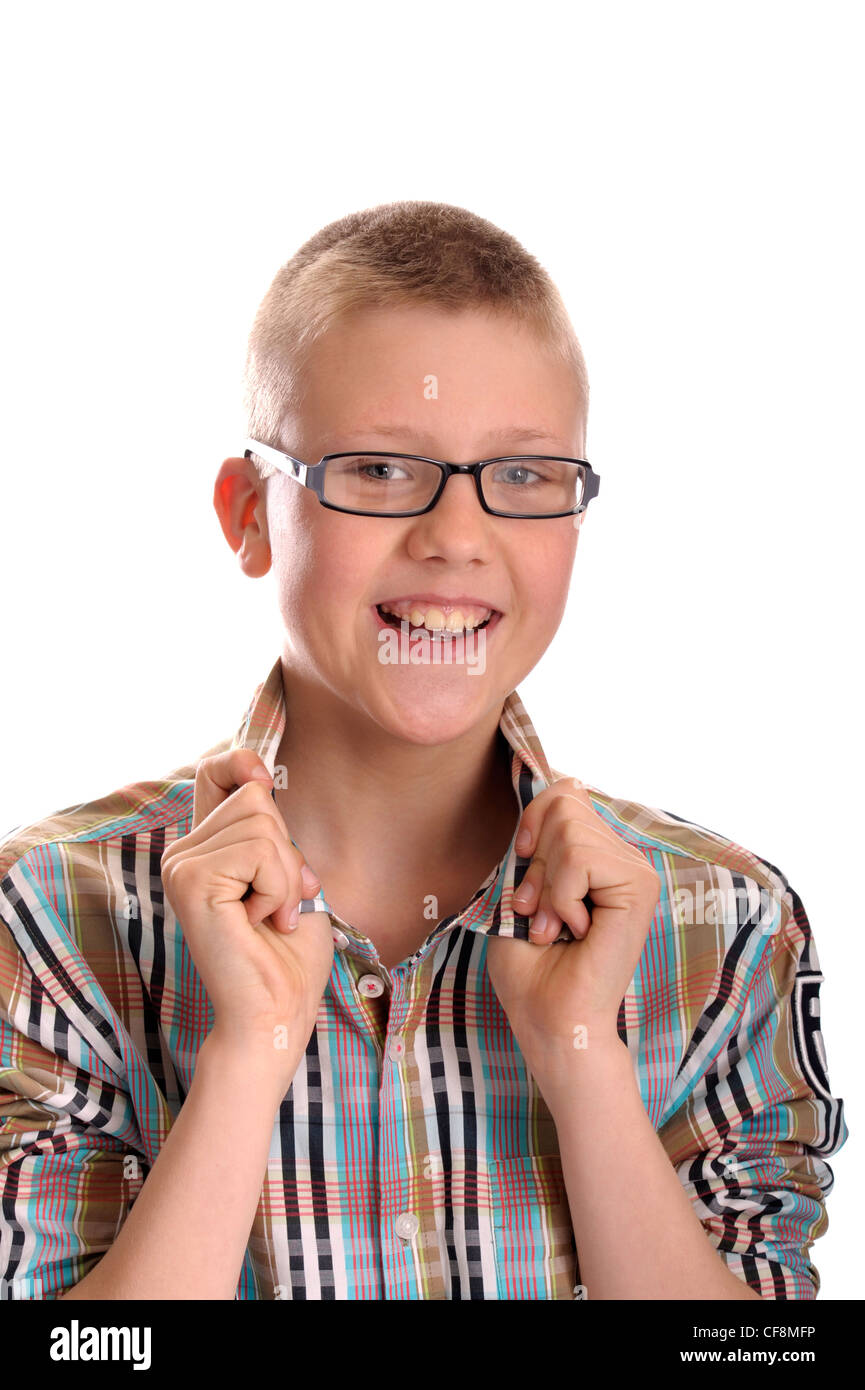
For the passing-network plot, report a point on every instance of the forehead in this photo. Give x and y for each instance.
(404, 376)
(390, 433)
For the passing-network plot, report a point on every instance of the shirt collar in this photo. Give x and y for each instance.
(490, 911)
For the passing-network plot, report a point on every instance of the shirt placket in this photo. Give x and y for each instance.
(408, 1236)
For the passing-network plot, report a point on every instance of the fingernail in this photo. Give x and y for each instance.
(263, 774)
(524, 839)
(308, 878)
(293, 917)
(540, 922)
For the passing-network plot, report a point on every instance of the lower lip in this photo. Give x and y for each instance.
(491, 625)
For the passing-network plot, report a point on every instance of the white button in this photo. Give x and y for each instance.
(396, 1049)
(340, 940)
(407, 1225)
(371, 986)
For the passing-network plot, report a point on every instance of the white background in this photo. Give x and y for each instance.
(689, 174)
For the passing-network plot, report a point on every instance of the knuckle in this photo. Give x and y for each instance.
(171, 859)
(180, 876)
(262, 826)
(267, 848)
(571, 787)
(203, 766)
(571, 832)
(567, 812)
(261, 845)
(573, 853)
(559, 901)
(256, 793)
(294, 886)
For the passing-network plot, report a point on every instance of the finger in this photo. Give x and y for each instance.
(526, 896)
(545, 925)
(241, 806)
(257, 830)
(614, 882)
(562, 806)
(211, 882)
(274, 886)
(564, 888)
(252, 799)
(248, 799)
(535, 813)
(217, 775)
(572, 825)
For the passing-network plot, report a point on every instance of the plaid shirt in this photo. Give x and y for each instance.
(413, 1156)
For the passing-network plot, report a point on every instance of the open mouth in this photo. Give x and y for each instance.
(393, 621)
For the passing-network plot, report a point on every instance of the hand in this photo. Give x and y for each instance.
(536, 836)
(264, 972)
(552, 990)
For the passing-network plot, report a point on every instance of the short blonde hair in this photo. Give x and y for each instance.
(395, 254)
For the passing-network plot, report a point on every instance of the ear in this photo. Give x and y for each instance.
(240, 503)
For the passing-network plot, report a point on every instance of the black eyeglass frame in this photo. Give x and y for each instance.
(312, 475)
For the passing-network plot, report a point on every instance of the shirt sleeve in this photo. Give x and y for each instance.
(71, 1164)
(751, 1141)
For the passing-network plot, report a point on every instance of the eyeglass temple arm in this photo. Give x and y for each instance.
(284, 462)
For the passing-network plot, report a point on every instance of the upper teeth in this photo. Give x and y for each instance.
(437, 619)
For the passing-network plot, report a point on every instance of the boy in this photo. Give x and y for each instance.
(632, 1102)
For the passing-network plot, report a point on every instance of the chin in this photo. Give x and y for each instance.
(416, 711)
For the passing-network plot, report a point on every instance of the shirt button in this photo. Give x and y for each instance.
(396, 1049)
(370, 986)
(340, 940)
(407, 1225)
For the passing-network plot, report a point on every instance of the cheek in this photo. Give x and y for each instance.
(546, 576)
(322, 571)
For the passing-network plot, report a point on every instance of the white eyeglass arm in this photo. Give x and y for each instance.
(285, 465)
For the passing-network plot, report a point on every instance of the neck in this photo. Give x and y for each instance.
(430, 806)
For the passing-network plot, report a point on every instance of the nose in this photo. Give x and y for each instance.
(460, 493)
(457, 527)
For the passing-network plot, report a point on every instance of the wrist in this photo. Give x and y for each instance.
(578, 1075)
(266, 1064)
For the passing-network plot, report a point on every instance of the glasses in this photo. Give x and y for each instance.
(383, 484)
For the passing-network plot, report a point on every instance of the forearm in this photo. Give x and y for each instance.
(636, 1232)
(187, 1232)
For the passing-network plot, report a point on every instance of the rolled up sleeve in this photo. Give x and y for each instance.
(750, 1142)
(71, 1164)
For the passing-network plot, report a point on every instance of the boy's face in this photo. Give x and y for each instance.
(332, 569)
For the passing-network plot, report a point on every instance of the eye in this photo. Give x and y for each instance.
(516, 474)
(373, 470)
(389, 470)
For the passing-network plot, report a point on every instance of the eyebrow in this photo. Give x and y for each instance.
(496, 436)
